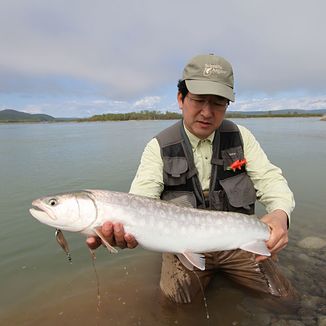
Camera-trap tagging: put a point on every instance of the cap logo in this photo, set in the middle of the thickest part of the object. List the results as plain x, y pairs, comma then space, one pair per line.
211, 69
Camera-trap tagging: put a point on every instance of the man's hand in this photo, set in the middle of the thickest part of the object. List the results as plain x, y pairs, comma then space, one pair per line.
114, 235
277, 221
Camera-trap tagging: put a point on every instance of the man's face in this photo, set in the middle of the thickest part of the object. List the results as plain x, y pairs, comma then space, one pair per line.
202, 114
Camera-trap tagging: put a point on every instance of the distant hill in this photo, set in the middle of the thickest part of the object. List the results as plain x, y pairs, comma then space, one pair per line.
17, 116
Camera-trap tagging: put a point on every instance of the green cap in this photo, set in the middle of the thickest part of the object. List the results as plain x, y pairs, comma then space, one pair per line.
209, 74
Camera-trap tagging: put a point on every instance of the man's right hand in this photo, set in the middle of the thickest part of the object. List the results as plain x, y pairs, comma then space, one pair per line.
114, 235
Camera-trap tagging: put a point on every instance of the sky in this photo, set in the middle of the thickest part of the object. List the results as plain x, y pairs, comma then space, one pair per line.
79, 58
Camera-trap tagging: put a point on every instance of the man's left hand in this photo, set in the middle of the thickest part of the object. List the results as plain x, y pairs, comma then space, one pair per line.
278, 224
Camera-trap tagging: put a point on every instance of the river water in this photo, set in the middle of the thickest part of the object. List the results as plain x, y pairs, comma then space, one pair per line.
40, 287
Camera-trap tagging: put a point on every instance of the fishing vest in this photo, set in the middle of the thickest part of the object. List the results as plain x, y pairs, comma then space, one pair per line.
230, 190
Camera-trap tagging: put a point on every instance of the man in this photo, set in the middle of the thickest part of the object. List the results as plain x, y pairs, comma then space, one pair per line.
216, 165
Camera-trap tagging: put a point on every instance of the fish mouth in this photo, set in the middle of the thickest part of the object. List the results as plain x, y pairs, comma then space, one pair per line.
41, 214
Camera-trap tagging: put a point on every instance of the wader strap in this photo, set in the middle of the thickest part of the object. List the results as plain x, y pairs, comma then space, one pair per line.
190, 158
215, 159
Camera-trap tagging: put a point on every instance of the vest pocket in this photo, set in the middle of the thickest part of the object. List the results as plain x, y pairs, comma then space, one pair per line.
174, 171
217, 200
231, 155
240, 191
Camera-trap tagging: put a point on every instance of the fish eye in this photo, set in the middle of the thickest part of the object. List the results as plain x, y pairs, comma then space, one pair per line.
53, 202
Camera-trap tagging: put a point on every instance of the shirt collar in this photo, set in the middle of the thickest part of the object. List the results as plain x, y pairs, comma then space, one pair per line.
194, 140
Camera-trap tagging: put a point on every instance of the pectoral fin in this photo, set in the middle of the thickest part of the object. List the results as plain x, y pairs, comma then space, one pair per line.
257, 247
190, 259
110, 248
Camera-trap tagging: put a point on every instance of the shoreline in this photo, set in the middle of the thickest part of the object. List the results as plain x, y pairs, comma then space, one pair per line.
230, 116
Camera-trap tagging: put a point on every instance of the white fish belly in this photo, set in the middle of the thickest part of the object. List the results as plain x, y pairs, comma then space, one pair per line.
197, 236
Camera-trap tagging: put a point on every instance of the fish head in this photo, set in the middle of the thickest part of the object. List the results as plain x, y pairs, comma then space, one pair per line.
73, 211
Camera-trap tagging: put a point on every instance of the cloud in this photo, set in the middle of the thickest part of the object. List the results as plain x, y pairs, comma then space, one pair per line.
272, 103
147, 103
88, 107
126, 50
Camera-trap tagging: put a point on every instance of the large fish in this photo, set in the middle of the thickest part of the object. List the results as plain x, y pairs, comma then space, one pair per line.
157, 225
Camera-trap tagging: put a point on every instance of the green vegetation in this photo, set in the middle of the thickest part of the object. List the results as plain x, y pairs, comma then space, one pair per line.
157, 115
142, 115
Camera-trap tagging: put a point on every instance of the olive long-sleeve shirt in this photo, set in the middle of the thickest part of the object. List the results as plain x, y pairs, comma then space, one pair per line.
272, 188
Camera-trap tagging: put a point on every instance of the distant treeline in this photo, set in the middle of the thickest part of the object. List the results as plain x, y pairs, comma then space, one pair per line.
158, 115
142, 115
